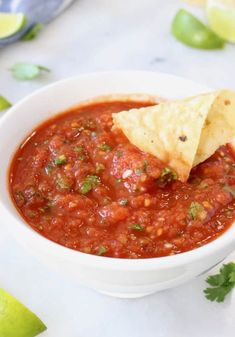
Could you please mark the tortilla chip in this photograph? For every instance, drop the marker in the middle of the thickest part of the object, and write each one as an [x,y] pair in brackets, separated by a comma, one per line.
[219,127]
[181,133]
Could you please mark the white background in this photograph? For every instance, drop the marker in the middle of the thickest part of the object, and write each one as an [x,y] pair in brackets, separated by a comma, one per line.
[96,35]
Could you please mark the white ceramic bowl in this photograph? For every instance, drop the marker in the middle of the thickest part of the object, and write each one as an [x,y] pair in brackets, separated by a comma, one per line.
[118,277]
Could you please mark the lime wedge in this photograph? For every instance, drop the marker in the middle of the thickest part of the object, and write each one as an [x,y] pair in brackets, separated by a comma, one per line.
[16,320]
[4,103]
[192,32]
[221,17]
[11,23]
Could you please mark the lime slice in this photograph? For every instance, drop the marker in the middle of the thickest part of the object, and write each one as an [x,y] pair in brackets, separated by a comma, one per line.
[192,32]
[221,17]
[11,23]
[16,320]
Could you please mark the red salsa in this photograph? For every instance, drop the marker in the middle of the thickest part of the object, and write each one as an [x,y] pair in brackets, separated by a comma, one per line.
[81,183]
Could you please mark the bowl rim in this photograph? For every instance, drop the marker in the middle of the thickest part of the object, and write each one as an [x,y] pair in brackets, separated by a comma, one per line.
[224,240]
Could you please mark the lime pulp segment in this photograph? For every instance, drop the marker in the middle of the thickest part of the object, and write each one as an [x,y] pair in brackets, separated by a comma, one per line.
[221,18]
[11,23]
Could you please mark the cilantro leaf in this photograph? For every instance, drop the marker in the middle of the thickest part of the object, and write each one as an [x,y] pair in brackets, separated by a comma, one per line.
[78,149]
[165,172]
[86,187]
[26,71]
[4,103]
[119,154]
[105,147]
[167,175]
[221,284]
[137,227]
[123,202]
[232,277]
[215,280]
[217,294]
[32,32]
[60,160]
[194,209]
[89,183]
[102,250]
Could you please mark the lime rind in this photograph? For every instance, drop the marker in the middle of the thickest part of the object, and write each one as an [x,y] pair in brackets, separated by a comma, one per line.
[11,23]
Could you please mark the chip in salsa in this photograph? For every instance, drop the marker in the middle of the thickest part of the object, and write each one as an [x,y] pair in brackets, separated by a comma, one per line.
[182,133]
[81,183]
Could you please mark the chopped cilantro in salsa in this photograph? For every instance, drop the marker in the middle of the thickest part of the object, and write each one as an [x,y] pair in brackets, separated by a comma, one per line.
[102,250]
[119,154]
[60,160]
[194,209]
[82,184]
[105,147]
[137,227]
[167,175]
[123,202]
[78,149]
[89,183]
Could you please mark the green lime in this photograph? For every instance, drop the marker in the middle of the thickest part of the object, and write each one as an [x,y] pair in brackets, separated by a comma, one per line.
[4,103]
[11,23]
[16,320]
[192,32]
[221,17]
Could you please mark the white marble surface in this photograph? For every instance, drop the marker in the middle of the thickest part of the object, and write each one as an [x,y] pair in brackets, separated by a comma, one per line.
[96,35]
